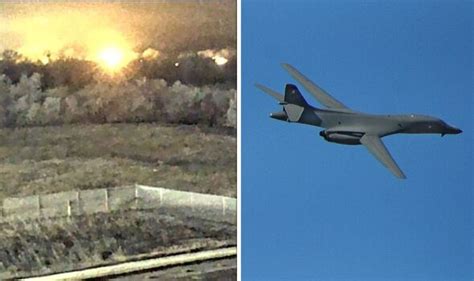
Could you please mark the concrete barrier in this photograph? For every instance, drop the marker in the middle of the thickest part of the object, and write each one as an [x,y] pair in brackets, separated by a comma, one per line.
[93,201]
[73,203]
[59,204]
[207,206]
[23,208]
[121,198]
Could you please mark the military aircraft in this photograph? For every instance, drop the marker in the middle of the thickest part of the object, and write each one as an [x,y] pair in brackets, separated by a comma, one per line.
[345,126]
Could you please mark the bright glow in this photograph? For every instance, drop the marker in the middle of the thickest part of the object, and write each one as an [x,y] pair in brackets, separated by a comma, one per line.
[150,53]
[111,58]
[220,57]
[220,60]
[44,60]
[87,32]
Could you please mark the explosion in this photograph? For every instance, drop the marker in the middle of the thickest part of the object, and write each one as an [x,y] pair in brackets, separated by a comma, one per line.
[114,35]
[220,60]
[220,57]
[84,33]
[112,58]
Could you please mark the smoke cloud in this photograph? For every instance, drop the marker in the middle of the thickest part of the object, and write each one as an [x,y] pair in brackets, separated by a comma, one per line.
[167,61]
[77,29]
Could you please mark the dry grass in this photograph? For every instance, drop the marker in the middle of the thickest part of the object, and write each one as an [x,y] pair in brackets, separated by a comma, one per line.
[46,246]
[43,160]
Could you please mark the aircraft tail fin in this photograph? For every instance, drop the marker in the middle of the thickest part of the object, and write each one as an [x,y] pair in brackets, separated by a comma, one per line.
[294,96]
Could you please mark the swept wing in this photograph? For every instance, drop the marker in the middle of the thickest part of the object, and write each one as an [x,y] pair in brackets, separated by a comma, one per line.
[375,145]
[322,96]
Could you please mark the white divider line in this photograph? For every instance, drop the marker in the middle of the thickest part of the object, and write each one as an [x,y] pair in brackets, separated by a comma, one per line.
[129,267]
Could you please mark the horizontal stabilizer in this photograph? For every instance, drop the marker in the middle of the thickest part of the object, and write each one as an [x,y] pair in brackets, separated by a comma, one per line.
[272,93]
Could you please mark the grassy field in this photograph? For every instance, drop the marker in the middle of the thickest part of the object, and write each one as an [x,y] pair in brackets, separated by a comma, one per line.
[41,160]
[45,246]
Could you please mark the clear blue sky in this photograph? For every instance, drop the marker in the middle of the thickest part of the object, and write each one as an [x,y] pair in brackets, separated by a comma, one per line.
[313,210]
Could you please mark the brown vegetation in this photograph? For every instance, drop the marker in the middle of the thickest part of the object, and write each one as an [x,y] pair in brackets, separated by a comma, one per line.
[26,104]
[46,246]
[50,159]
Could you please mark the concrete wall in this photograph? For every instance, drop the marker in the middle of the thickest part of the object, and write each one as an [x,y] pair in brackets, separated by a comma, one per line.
[74,203]
[214,207]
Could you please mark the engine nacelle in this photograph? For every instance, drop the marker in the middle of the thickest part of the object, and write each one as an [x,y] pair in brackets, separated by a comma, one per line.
[342,137]
[279,115]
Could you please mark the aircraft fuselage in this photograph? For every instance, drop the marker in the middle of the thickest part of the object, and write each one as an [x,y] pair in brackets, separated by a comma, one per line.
[354,124]
[345,126]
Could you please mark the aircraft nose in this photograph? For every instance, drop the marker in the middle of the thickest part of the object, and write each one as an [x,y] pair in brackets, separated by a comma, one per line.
[456,131]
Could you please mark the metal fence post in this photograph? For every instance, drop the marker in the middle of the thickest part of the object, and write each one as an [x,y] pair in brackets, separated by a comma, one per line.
[79,207]
[69,211]
[106,200]
[39,205]
[136,197]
